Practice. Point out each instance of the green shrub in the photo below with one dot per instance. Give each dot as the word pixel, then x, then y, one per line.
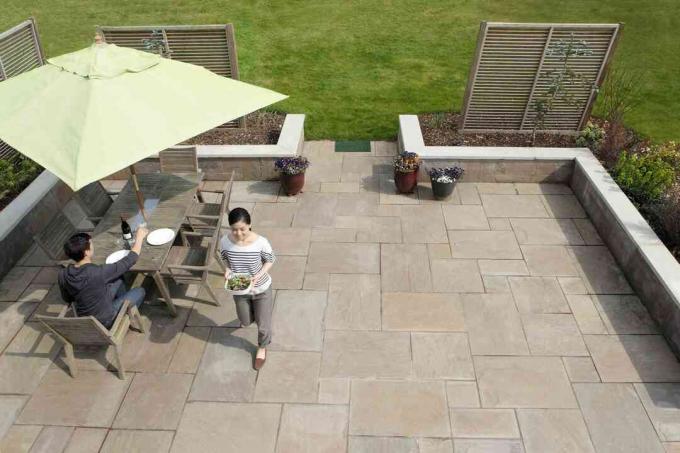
pixel 669 152
pixel 591 137
pixel 666 216
pixel 644 177
pixel 14 176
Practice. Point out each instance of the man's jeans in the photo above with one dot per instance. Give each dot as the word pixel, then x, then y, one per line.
pixel 120 293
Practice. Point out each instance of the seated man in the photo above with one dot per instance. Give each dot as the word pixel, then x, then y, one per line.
pixel 95 290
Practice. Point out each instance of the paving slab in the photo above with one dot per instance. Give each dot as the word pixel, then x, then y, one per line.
pixel 226 427
pixel 532 188
pixel 12 317
pixel 52 438
pixel 498 188
pixel 19 438
pixel 624 315
pixel 431 445
pixel 496 284
pixel 494 325
pixel 423 224
pixel 344 258
pixel 546 430
pixel 467 192
pixel 484 423
pixel 35 292
pixel 456 276
pixel 27 359
pixel 484 244
pixel 315 209
pixel 580 369
pixel 462 394
pixel 441 356
pixel 154 401
pixel 599 270
pixel 588 232
pixel 226 370
pixel 523 382
pixel 371 444
pixel 364 204
pixel 587 316
pixel 254 191
pixel 465 217
pixel 91 399
pixel 86 440
pixel 500 224
pixel 289 377
pixel 546 232
pixel 316 281
pixel 16 281
pixel 405 311
pixel 353 302
pixel 47 275
pixel 405 267
pixel 602 406
pixel 10 407
pixel 503 267
pixel 331 234
pixel 340 187
pixel 549 261
pixel 662 403
pixel 287 241
pixel 371 229
pixel 391 408
pixel 563 206
pixel 366 354
pixel 51 305
pixel 297 323
pixel 553 334
pixel 334 391
pixel 572 285
pixel 633 358
pixel 513 206
pixel 538 295
pixel 389 194
pixel 288 272
pixel 208 315
pixel 425 196
pixel 439 251
pixel 134 441
pixel 487 446
pixel 189 350
pixel 313 429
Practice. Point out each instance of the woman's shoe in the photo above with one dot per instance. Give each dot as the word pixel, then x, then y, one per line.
pixel 260 358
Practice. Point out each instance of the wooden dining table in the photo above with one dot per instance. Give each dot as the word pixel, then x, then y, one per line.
pixel 167 198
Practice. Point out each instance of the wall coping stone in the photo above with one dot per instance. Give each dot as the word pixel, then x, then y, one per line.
pixel 25 202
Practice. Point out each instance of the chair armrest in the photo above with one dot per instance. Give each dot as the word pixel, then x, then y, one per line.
pixel 202 216
pixel 121 315
pixel 221 191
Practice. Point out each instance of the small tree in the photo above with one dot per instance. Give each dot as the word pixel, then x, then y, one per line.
pixel 560 80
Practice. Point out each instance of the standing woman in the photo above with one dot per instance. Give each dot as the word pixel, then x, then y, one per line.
pixel 246 252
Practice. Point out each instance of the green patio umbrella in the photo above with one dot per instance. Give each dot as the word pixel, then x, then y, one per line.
pixel 87 114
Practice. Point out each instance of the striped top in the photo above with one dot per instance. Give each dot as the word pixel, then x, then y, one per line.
pixel 248 259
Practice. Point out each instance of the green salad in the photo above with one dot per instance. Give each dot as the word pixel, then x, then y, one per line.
pixel 238 282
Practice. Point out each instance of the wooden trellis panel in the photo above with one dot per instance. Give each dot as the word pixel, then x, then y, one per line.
pixel 510 69
pixel 210 46
pixel 20 51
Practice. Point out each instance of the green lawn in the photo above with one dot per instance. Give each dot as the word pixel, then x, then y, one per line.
pixel 353 66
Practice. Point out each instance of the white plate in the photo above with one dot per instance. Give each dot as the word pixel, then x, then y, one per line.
pixel 117 256
pixel 160 236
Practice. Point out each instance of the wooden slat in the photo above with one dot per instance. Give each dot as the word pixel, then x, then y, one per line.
pixel 510 71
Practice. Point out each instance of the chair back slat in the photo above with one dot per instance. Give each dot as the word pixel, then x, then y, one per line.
pixel 52 238
pixel 179 160
pixel 94 199
pixel 85 330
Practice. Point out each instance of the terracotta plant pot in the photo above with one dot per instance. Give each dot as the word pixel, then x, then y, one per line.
pixel 406 182
pixel 442 190
pixel 292 184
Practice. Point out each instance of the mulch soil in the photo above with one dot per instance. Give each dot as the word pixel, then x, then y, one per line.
pixel 262 128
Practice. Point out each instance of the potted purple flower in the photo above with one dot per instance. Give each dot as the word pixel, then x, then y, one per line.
pixel 444 180
pixel 406 167
pixel 292 170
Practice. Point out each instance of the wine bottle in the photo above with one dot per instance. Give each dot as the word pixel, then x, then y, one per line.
pixel 125 227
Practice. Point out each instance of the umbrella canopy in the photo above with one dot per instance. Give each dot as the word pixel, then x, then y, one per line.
pixel 90 113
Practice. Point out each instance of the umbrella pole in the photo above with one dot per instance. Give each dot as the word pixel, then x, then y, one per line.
pixel 140 197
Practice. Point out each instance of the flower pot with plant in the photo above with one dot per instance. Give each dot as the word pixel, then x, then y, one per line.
pixel 292 170
pixel 444 180
pixel 406 167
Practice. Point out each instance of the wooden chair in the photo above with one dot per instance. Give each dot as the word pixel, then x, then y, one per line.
pixel 179 159
pixel 190 264
pixel 72 331
pixel 52 238
pixel 206 216
pixel 94 200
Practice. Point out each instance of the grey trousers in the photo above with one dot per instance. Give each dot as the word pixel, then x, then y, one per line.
pixel 258 308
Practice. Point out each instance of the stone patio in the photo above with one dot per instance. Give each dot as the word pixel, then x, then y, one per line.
pixel 495 321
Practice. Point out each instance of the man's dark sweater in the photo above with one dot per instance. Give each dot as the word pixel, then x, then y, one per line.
pixel 88 287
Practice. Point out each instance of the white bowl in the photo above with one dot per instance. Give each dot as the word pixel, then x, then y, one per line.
pixel 242 292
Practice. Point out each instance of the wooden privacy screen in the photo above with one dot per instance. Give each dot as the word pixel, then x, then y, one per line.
pixel 511 70
pixel 210 46
pixel 20 51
